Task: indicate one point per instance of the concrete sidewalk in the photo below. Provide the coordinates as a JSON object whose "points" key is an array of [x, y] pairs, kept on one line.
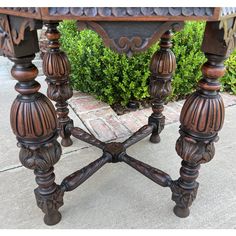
{"points": [[117, 196]]}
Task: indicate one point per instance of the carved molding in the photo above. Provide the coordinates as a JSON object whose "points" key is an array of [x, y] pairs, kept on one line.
{"points": [[6, 44], [18, 34], [131, 11], [229, 28], [117, 37]]}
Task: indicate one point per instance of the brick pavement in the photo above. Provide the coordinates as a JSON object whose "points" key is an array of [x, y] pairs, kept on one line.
{"points": [[101, 120]]}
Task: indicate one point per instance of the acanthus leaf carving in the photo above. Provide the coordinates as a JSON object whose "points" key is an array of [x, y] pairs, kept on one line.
{"points": [[183, 197], [6, 45], [229, 33]]}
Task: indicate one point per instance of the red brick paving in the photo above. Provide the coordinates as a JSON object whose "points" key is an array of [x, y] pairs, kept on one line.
{"points": [[100, 119]]}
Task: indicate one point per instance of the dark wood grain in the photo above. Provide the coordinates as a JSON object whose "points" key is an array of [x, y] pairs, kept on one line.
{"points": [[201, 119], [33, 121], [162, 67], [77, 178], [152, 173], [56, 67]]}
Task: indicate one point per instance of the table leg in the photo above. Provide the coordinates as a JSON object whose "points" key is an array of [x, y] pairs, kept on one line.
{"points": [[163, 65], [34, 122], [201, 118], [56, 67]]}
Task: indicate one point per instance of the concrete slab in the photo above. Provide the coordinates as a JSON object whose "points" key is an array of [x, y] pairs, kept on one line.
{"points": [[119, 197]]}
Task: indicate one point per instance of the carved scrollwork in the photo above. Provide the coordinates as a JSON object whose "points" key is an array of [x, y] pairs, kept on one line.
{"points": [[6, 45], [229, 32], [18, 34], [117, 37]]}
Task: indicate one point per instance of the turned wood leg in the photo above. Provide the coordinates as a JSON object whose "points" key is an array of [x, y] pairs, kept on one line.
{"points": [[56, 67], [162, 67], [201, 118], [34, 122]]}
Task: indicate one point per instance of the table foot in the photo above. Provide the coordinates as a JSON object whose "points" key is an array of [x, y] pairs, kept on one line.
{"points": [[181, 212], [53, 218], [155, 138], [66, 142]]}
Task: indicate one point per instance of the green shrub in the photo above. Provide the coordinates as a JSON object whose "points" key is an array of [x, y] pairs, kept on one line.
{"points": [[229, 80], [115, 78]]}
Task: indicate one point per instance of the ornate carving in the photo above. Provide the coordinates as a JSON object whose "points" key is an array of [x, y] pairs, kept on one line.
{"points": [[194, 151], [138, 135], [57, 69], [59, 91], [18, 34], [41, 158], [86, 137], [201, 118], [33, 120], [228, 11], [203, 114], [56, 65], [77, 178], [183, 197], [121, 37], [229, 28], [6, 45], [163, 65], [50, 204], [152, 173], [131, 11]]}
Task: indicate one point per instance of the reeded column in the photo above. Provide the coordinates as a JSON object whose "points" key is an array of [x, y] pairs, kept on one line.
{"points": [[162, 67], [201, 118], [34, 122], [56, 67]]}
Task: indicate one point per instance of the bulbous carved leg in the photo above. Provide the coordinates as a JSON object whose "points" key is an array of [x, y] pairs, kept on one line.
{"points": [[201, 118], [162, 67], [57, 69], [34, 122]]}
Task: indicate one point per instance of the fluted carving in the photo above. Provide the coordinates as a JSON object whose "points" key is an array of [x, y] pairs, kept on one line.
{"points": [[201, 118], [29, 121], [163, 65], [56, 67], [202, 114], [34, 122]]}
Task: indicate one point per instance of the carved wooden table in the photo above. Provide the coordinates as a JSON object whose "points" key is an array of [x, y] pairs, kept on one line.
{"points": [[37, 124]]}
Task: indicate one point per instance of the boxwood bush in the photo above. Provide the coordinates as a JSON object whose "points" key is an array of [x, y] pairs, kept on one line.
{"points": [[115, 78]]}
